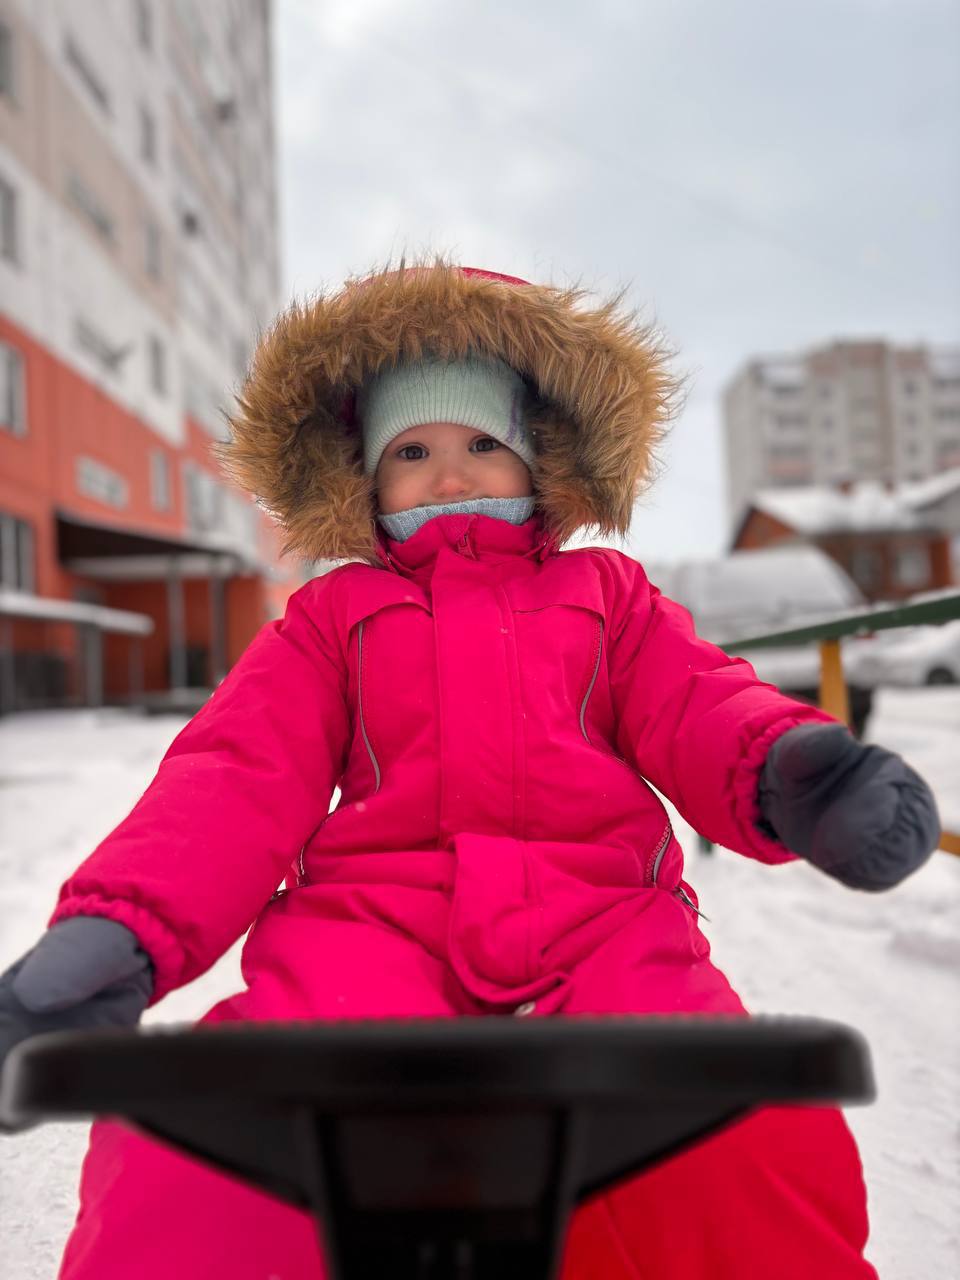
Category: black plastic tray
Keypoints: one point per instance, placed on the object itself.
(438, 1148)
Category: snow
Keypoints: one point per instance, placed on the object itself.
(24, 604)
(813, 509)
(791, 941)
(749, 592)
(865, 505)
(923, 493)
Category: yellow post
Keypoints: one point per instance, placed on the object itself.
(835, 699)
(833, 687)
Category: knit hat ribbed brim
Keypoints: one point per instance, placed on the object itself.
(477, 392)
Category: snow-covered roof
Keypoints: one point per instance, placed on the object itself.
(924, 493)
(20, 604)
(864, 506)
(751, 591)
(867, 504)
(811, 509)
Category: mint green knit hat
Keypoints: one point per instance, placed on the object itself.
(477, 391)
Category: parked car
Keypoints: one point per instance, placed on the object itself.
(913, 656)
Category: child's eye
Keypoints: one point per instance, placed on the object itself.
(411, 452)
(485, 444)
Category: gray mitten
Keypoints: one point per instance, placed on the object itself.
(85, 972)
(859, 813)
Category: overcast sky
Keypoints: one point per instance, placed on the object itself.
(763, 177)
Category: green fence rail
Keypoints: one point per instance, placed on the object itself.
(944, 608)
(828, 633)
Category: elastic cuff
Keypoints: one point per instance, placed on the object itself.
(157, 939)
(746, 799)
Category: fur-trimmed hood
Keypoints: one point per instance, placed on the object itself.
(601, 395)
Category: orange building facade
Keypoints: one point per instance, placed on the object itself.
(136, 558)
(139, 257)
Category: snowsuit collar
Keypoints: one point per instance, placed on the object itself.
(474, 537)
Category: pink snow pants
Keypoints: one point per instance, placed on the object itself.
(779, 1194)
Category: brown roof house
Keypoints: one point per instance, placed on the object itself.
(893, 540)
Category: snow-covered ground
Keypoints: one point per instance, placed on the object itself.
(791, 941)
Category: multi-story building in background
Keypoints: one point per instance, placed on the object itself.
(138, 256)
(852, 411)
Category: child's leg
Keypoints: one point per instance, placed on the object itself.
(778, 1194)
(149, 1212)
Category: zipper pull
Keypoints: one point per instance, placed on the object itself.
(685, 898)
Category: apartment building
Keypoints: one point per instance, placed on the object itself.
(138, 256)
(851, 411)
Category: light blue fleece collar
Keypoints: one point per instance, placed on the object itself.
(402, 525)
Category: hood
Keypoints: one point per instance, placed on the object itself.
(601, 395)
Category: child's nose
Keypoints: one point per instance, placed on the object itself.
(451, 480)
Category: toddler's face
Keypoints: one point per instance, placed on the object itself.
(445, 462)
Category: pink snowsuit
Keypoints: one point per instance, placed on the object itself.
(490, 708)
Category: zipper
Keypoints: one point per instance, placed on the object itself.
(656, 858)
(363, 727)
(653, 862)
(685, 898)
(593, 680)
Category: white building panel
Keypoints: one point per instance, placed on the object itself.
(25, 286)
(103, 329)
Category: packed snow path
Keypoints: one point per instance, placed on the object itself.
(790, 940)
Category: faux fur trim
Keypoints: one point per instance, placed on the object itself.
(601, 395)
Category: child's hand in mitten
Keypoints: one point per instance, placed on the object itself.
(858, 813)
(85, 972)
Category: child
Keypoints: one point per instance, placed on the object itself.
(490, 708)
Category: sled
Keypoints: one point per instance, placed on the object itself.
(436, 1149)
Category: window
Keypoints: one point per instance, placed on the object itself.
(13, 416)
(87, 203)
(86, 74)
(94, 343)
(148, 135)
(203, 499)
(826, 424)
(151, 249)
(143, 21)
(9, 246)
(97, 481)
(909, 387)
(17, 559)
(912, 566)
(8, 84)
(159, 480)
(157, 356)
(866, 568)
